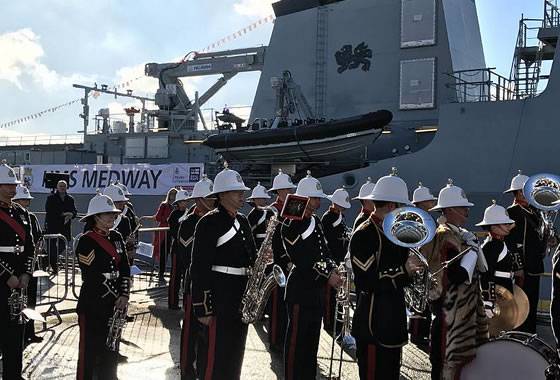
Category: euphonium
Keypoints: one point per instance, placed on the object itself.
(259, 286)
(116, 324)
(411, 227)
(542, 191)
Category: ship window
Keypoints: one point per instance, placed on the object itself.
(417, 84)
(349, 180)
(135, 147)
(158, 147)
(418, 23)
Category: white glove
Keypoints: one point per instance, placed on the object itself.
(489, 309)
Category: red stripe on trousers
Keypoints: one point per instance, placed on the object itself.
(274, 316)
(186, 331)
(293, 342)
(371, 364)
(211, 349)
(82, 346)
(172, 300)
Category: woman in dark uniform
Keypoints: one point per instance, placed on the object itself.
(105, 287)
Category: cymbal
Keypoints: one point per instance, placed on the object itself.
(511, 310)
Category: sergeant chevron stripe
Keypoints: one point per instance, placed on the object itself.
(87, 259)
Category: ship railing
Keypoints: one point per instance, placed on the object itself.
(41, 140)
(551, 14)
(481, 85)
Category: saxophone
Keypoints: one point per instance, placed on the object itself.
(259, 286)
(116, 324)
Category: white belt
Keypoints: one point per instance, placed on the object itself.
(231, 270)
(503, 274)
(260, 236)
(111, 275)
(17, 249)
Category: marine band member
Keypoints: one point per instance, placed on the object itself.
(367, 203)
(282, 186)
(529, 248)
(338, 237)
(128, 211)
(23, 198)
(311, 267)
(222, 254)
(499, 259)
(419, 323)
(101, 255)
(191, 355)
(260, 214)
(381, 270)
(16, 266)
(178, 253)
(460, 323)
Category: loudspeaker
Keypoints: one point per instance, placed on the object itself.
(50, 180)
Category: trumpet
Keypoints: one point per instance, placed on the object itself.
(542, 191)
(117, 323)
(411, 227)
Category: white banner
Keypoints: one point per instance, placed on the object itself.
(141, 179)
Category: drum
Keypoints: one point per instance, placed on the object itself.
(512, 356)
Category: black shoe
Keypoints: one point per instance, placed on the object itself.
(121, 358)
(34, 339)
(130, 318)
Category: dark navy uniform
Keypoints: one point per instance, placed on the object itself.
(337, 239)
(529, 249)
(258, 219)
(379, 324)
(16, 258)
(307, 250)
(105, 277)
(32, 291)
(55, 206)
(555, 302)
(132, 240)
(192, 328)
(177, 259)
(362, 217)
(223, 251)
(278, 321)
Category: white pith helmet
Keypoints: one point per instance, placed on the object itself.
(341, 198)
(517, 182)
(422, 194)
(228, 180)
(282, 181)
(100, 204)
(259, 192)
(366, 189)
(451, 196)
(22, 192)
(124, 189)
(390, 188)
(495, 214)
(7, 175)
(182, 195)
(310, 187)
(202, 188)
(115, 193)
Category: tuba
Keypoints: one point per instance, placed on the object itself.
(117, 323)
(542, 191)
(260, 285)
(411, 227)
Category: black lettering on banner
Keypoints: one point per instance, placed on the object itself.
(131, 179)
(103, 174)
(144, 180)
(89, 179)
(73, 179)
(114, 175)
(155, 177)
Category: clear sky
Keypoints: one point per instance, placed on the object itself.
(46, 45)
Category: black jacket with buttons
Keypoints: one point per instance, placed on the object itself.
(215, 293)
(174, 225)
(15, 263)
(186, 239)
(335, 231)
(258, 220)
(99, 293)
(54, 220)
(123, 226)
(308, 251)
(499, 258)
(524, 240)
(380, 276)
